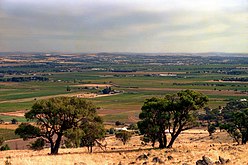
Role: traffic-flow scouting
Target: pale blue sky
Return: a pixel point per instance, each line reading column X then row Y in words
column 124, row 25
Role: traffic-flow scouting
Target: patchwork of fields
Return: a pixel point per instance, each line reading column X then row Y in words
column 133, row 78
column 136, row 81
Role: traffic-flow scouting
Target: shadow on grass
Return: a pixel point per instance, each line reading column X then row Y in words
column 108, row 151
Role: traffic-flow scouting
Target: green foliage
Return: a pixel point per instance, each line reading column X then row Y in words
column 240, row 120
column 27, row 131
column 14, row 121
column 107, row 90
column 175, row 112
column 55, row 116
column 211, row 114
column 9, row 118
column 68, row 88
column 235, row 117
column 38, row 144
column 111, row 131
column 133, row 126
column 4, row 147
column 233, row 106
column 211, row 129
column 8, row 134
column 93, row 131
column 154, row 120
column 73, row 137
column 86, row 135
column 123, row 136
column 1, row 121
column 232, row 131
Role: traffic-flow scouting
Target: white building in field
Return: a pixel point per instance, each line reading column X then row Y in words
column 167, row 74
column 121, row 129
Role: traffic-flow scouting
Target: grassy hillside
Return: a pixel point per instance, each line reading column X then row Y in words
column 189, row 148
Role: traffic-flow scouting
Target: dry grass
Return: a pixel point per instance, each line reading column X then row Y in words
column 190, row 147
column 9, row 126
column 8, row 84
column 17, row 113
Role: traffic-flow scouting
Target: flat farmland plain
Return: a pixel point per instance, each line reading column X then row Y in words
column 133, row 78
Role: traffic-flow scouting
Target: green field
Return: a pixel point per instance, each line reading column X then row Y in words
column 9, row 118
column 8, row 134
column 135, row 86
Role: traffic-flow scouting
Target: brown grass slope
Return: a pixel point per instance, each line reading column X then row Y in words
column 189, row 147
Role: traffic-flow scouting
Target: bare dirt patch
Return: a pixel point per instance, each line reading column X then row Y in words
column 17, row 113
column 8, row 83
column 81, row 95
column 8, row 126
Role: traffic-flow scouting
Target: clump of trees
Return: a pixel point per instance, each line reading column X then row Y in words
column 24, row 79
column 87, row 134
column 56, row 117
column 175, row 113
column 235, row 120
column 38, row 144
column 232, row 118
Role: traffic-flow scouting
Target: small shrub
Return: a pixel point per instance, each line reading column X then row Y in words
column 68, row 88
column 14, row 121
column 124, row 136
column 38, row 144
column 4, row 147
column 111, row 131
column 211, row 129
column 1, row 121
column 133, row 127
column 117, row 123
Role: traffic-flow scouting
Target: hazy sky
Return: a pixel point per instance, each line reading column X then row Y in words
column 124, row 25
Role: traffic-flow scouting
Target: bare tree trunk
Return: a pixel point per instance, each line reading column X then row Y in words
column 161, row 144
column 52, row 144
column 244, row 138
column 174, row 137
column 165, row 140
column 91, row 149
column 55, row 148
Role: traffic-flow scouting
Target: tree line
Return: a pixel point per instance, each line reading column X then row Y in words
column 24, row 79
